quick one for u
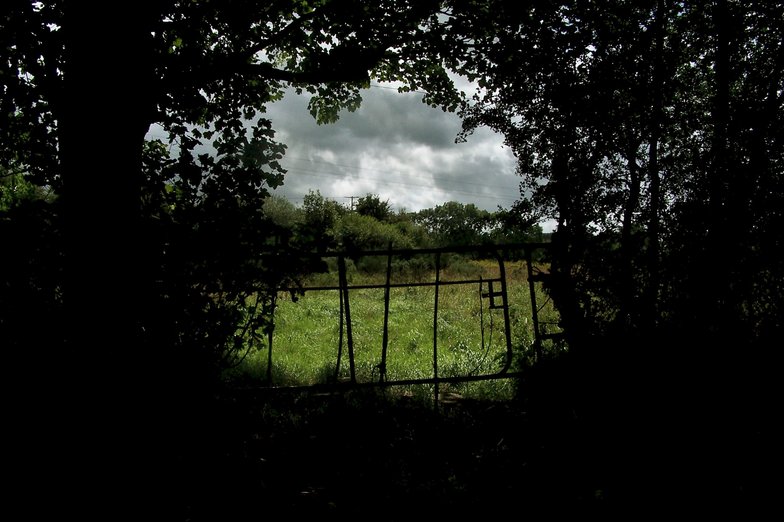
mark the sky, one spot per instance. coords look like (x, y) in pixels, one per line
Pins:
(393, 146)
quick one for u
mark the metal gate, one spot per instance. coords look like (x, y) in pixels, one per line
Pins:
(493, 289)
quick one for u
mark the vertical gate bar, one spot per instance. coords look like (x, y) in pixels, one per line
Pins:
(340, 328)
(505, 305)
(435, 329)
(385, 338)
(534, 311)
(481, 314)
(269, 339)
(349, 337)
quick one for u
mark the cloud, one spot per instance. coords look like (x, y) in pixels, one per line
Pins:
(394, 146)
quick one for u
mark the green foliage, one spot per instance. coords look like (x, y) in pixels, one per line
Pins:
(371, 205)
(512, 226)
(646, 130)
(205, 225)
(322, 224)
(320, 220)
(282, 212)
(456, 224)
(16, 189)
(359, 232)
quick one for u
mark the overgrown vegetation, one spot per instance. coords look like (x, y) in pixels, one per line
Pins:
(321, 224)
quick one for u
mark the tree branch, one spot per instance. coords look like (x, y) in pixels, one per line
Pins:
(279, 35)
(319, 75)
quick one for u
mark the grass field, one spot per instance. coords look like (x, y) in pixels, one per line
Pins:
(471, 337)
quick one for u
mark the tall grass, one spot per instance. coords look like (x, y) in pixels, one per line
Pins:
(471, 338)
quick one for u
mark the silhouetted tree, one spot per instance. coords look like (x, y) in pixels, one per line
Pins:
(371, 205)
(161, 246)
(646, 130)
(620, 116)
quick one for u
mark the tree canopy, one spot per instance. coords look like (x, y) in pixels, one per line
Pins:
(648, 131)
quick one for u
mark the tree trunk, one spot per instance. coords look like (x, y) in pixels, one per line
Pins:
(102, 397)
(562, 286)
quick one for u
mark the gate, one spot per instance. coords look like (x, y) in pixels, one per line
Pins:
(493, 290)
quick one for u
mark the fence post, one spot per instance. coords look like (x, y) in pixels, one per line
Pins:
(269, 337)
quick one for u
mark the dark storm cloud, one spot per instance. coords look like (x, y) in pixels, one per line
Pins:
(394, 146)
(385, 117)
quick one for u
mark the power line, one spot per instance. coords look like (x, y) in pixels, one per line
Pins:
(395, 88)
(305, 172)
(385, 172)
(352, 198)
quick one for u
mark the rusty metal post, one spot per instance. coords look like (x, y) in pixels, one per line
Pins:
(340, 335)
(534, 311)
(269, 339)
(385, 335)
(505, 306)
(349, 337)
(435, 329)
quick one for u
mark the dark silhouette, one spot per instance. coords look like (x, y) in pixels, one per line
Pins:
(649, 131)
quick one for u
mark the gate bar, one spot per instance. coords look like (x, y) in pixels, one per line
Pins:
(435, 328)
(385, 336)
(505, 305)
(349, 336)
(534, 311)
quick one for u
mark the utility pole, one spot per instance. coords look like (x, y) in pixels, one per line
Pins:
(352, 198)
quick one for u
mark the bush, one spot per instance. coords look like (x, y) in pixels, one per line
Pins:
(357, 232)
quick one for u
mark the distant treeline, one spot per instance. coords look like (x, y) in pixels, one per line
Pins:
(322, 224)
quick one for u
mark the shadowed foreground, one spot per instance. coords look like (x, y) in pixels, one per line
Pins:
(371, 456)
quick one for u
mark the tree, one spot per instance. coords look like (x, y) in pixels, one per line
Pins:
(80, 93)
(359, 232)
(512, 227)
(283, 215)
(456, 224)
(570, 117)
(321, 216)
(619, 117)
(371, 205)
(645, 129)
